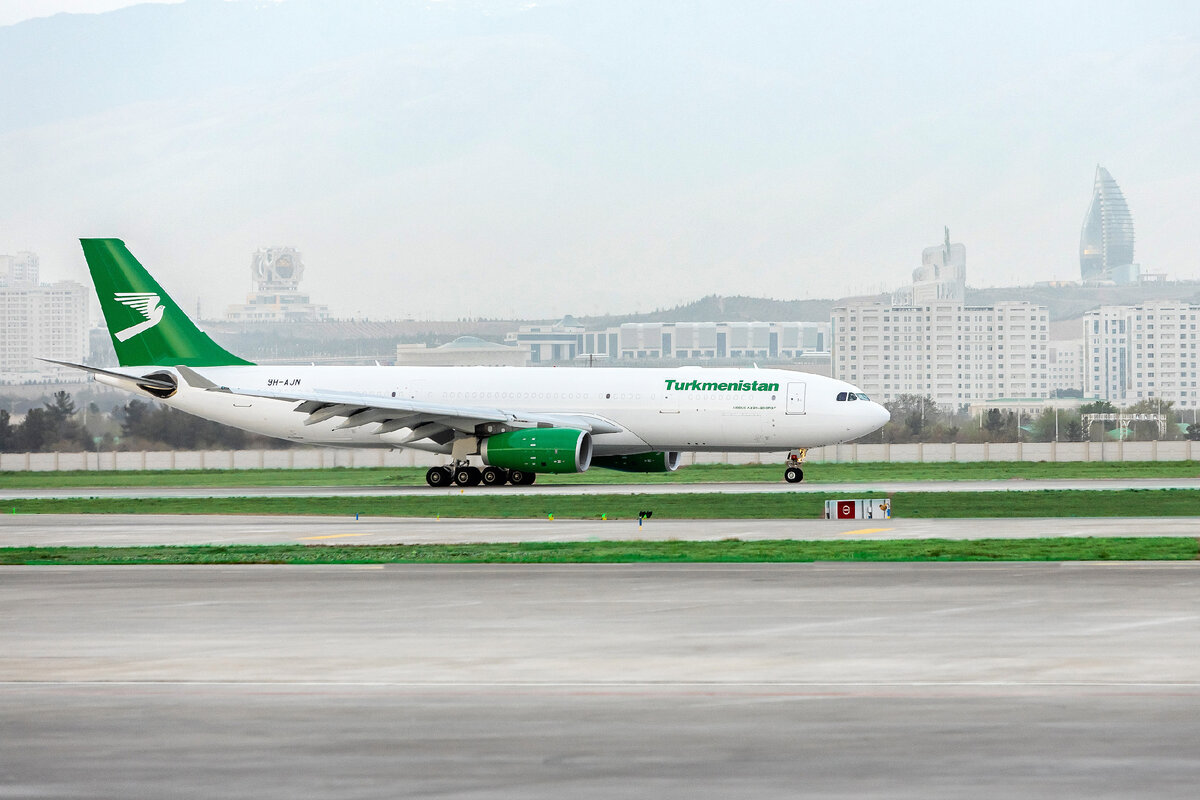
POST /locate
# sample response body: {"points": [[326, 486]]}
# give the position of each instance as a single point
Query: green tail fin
{"points": [[146, 326]]}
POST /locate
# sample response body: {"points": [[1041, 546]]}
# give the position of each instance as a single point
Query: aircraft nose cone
{"points": [[884, 415], [873, 417]]}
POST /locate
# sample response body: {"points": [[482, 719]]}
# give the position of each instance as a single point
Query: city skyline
{"points": [[503, 164]]}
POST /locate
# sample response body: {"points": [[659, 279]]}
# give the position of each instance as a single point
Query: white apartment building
{"points": [[20, 269], [41, 321], [1066, 365], [691, 341], [954, 353], [1134, 353]]}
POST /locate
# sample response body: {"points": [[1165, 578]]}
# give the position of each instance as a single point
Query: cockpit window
{"points": [[841, 397], [862, 396], [851, 396]]}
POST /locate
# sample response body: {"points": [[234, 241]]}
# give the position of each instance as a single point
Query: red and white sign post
{"points": [[879, 508]]}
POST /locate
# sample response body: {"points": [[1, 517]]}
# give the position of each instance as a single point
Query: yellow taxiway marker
{"points": [[865, 530], [332, 536]]}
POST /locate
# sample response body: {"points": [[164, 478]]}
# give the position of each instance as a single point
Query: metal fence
{"points": [[320, 457]]}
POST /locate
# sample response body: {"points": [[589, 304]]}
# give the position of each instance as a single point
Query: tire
{"points": [[521, 478], [467, 476], [438, 477], [793, 474], [493, 476]]}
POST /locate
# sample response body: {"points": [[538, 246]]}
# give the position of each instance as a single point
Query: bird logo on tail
{"points": [[145, 303]]}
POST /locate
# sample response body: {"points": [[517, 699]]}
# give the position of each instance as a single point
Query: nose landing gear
{"points": [[793, 473]]}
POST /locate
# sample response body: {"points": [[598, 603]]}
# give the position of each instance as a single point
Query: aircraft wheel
{"points": [[521, 478], [467, 476], [493, 476], [438, 476], [793, 474]]}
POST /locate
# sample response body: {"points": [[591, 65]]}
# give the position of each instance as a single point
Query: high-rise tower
{"points": [[1106, 244]]}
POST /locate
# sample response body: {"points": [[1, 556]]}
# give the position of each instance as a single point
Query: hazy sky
{"points": [[446, 159], [12, 11]]}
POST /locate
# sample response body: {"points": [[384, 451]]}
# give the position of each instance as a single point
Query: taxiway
{"points": [[106, 530], [863, 489]]}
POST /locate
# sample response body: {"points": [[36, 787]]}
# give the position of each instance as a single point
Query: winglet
{"points": [[147, 327]]}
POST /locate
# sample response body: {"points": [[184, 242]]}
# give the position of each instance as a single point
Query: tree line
{"points": [[58, 426], [917, 418]]}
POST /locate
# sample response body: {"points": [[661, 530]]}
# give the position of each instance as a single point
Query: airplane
{"points": [[515, 422]]}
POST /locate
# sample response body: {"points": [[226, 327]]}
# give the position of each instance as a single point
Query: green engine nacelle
{"points": [[640, 462], [539, 450]]}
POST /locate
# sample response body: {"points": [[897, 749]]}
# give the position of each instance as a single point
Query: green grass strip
{"points": [[729, 551], [701, 473], [774, 505]]}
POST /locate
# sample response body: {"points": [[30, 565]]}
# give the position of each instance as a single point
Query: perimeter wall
{"points": [[320, 457]]}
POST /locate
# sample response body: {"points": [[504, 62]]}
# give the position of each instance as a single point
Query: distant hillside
{"points": [[343, 340], [367, 340], [715, 308], [1070, 302]]}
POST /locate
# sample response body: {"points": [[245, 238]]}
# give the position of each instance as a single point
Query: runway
{"points": [[677, 681], [107, 530], [863, 489]]}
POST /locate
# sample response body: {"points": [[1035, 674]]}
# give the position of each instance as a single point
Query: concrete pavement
{"points": [[861, 489], [61, 530], [709, 681]]}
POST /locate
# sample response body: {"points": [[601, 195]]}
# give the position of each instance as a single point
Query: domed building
{"points": [[465, 351]]}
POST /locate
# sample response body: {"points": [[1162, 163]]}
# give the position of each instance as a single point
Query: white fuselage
{"points": [[684, 409]]}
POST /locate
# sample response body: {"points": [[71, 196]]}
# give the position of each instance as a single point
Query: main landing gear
{"points": [[793, 473], [464, 474]]}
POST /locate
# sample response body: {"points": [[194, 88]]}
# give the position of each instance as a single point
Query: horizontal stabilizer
{"points": [[155, 383]]}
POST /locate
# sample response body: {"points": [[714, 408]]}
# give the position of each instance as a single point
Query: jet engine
{"points": [[640, 462], [160, 384], [539, 450]]}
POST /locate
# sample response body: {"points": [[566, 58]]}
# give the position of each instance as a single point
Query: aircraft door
{"points": [[795, 397], [670, 402]]}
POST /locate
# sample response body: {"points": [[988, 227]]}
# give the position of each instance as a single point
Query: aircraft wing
{"points": [[423, 419]]}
